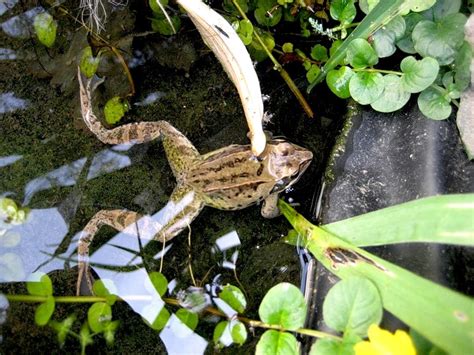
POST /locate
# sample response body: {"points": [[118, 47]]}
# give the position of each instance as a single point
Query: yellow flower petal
{"points": [[382, 342]]}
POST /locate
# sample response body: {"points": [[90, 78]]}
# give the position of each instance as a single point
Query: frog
{"points": [[229, 178]]}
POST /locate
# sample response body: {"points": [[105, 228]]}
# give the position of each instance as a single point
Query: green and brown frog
{"points": [[229, 178]]}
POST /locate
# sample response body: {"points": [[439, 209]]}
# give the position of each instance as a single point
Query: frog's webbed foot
{"points": [[270, 206]]}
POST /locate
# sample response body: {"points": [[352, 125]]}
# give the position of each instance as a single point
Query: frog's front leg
{"points": [[179, 150], [270, 206]]}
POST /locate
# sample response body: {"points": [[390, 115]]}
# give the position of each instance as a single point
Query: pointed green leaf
{"points": [[352, 305], [283, 305], [39, 284], [99, 314], [394, 96], [190, 319], [360, 54], [44, 311], [338, 81], [85, 336], [45, 27], [62, 328], [277, 343], [366, 87], [434, 104]]}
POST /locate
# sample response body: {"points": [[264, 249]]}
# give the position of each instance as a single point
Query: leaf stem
{"points": [[277, 66]]}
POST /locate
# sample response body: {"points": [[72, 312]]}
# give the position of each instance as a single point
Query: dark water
{"points": [[51, 164]]}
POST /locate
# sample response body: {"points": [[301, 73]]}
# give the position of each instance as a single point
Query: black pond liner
{"points": [[389, 159]]}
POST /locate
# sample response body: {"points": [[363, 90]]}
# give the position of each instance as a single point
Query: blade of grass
{"points": [[443, 316]]}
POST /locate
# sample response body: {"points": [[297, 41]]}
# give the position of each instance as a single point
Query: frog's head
{"points": [[287, 162]]}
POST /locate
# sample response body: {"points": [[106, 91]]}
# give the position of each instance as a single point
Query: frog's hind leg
{"points": [[180, 151], [117, 219]]}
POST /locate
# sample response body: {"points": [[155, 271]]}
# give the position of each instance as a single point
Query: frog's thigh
{"points": [[270, 206], [184, 206]]}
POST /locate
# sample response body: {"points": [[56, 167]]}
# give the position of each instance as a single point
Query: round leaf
{"points": [[352, 305], [44, 311], [189, 318], [366, 87], [115, 109], [433, 104], [268, 16], [343, 11], [331, 346], [239, 333], [283, 305], [160, 320], [159, 281], [320, 53], [39, 284], [338, 81], [384, 39], [99, 314], [234, 297], [245, 31], [219, 331], [105, 288], [440, 40], [312, 73], [89, 64], [405, 43], [287, 47], [360, 54], [277, 343], [394, 97], [418, 74], [45, 27]]}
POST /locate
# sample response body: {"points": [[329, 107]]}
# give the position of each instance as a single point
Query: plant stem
{"points": [[277, 66]]}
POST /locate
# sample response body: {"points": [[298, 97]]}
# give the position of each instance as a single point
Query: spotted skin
{"points": [[229, 178]]}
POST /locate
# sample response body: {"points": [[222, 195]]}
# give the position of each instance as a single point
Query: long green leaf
{"points": [[380, 15], [447, 219], [443, 316]]}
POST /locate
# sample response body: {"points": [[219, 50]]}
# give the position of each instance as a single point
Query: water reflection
{"points": [[6, 5], [10, 103], [7, 54], [9, 160], [179, 339], [21, 26]]}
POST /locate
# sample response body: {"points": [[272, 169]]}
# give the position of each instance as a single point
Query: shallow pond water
{"points": [[53, 166]]}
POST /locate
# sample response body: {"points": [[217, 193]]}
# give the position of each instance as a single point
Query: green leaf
{"points": [[228, 6], [105, 288], [239, 333], [366, 6], [154, 6], [219, 331], [283, 305], [405, 43], [44, 311], [442, 9], [420, 5], [39, 284], [421, 304], [287, 47], [462, 62], [163, 27], [99, 314], [338, 81], [62, 328], [360, 54], [244, 29], [190, 319], [256, 50], [277, 343], [160, 320], [418, 74], [434, 104], [45, 27], [89, 64], [312, 73], [384, 39], [394, 96], [85, 336], [327, 346], [343, 11], [268, 16], [159, 281], [366, 87], [319, 52], [109, 331], [440, 40], [352, 305], [234, 297], [115, 109]]}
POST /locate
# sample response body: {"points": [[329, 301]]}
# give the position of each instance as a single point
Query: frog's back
{"points": [[230, 178]]}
